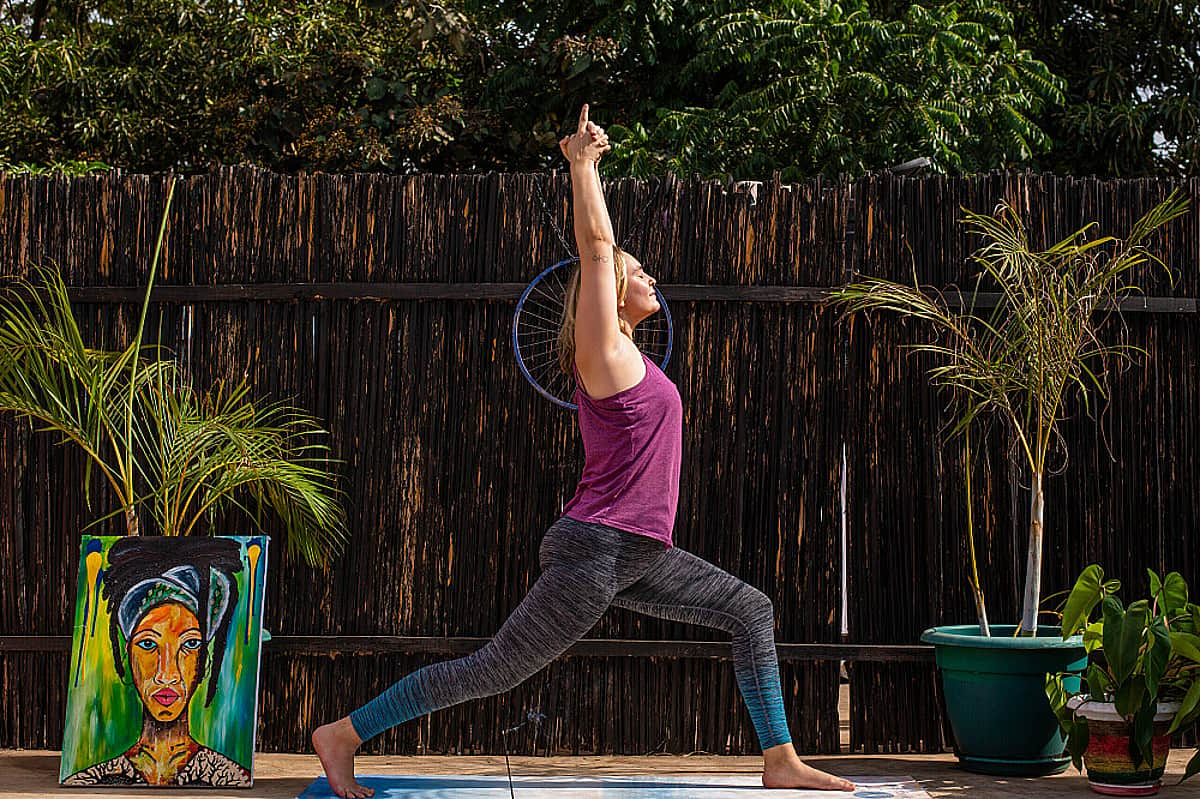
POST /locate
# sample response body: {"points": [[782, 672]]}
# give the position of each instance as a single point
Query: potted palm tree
{"points": [[1019, 364], [1142, 681], [158, 442]]}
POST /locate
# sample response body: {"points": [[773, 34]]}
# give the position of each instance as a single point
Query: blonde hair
{"points": [[566, 333]]}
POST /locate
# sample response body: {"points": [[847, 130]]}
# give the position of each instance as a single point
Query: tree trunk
{"points": [[976, 590], [981, 611], [39, 19], [1033, 569]]}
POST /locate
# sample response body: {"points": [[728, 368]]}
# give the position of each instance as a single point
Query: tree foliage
{"points": [[734, 87], [1132, 71], [189, 84], [812, 86]]}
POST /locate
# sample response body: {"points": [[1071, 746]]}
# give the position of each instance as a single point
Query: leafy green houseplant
{"points": [[156, 441], [1020, 363], [1142, 681]]}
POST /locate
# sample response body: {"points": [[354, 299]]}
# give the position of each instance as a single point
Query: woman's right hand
{"points": [[588, 143]]}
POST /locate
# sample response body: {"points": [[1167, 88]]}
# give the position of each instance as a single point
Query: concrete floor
{"points": [[35, 773]]}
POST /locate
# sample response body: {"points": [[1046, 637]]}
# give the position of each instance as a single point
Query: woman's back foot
{"points": [[335, 744]]}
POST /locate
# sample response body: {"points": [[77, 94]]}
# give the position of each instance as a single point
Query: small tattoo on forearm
{"points": [[600, 259]]}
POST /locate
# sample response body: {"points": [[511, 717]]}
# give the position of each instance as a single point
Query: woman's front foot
{"points": [[783, 768], [335, 744]]}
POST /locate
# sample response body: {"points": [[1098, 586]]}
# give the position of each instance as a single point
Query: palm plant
{"points": [[142, 425], [1039, 345]]}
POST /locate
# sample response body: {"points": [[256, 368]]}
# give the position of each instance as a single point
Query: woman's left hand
{"points": [[589, 142], [584, 146]]}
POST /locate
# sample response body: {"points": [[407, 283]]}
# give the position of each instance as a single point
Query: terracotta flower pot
{"points": [[1110, 769]]}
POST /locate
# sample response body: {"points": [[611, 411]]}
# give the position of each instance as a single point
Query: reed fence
{"points": [[383, 304]]}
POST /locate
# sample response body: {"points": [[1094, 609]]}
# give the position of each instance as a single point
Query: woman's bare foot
{"points": [[335, 744], [783, 768]]}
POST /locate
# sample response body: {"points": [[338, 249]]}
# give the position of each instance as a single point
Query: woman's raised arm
{"points": [[597, 333]]}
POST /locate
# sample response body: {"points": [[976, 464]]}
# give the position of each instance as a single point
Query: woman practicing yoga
{"points": [[612, 545]]}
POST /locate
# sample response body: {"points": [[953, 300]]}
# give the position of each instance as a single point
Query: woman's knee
{"points": [[481, 674], [496, 668], [757, 608]]}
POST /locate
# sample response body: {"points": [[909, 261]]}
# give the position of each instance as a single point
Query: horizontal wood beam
{"points": [[291, 292], [1134, 304], [384, 292], [590, 647]]}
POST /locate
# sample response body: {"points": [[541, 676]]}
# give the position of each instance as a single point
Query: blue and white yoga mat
{"points": [[698, 786]]}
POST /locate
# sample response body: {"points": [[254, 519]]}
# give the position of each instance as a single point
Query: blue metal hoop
{"points": [[662, 303]]}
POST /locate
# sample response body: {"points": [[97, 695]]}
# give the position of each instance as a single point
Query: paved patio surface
{"points": [[35, 773]]}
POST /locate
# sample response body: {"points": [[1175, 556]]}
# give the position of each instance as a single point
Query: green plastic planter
{"points": [[995, 690]]}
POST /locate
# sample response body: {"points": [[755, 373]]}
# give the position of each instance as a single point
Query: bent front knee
{"points": [[758, 608], [489, 677]]}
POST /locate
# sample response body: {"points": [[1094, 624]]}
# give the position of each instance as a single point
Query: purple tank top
{"points": [[632, 443]]}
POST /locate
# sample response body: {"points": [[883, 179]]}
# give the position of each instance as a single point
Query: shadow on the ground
{"points": [[948, 779], [36, 774]]}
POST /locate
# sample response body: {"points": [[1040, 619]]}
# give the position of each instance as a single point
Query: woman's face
{"points": [[640, 299], [164, 653]]}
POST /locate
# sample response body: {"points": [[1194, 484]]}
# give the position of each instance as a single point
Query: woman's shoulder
{"points": [[210, 767], [614, 375], [116, 771]]}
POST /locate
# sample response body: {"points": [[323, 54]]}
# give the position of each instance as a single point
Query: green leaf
{"points": [[1058, 697], [376, 88], [1185, 619], [1175, 592], [1187, 645], [1093, 636], [1140, 743], [1122, 639], [1077, 741], [1158, 655], [1129, 695], [579, 66], [1098, 683], [1084, 596], [1190, 702]]}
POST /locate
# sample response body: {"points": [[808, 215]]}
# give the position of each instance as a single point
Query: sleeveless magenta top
{"points": [[632, 443]]}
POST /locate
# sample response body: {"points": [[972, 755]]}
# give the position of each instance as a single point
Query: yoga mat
{"points": [[699, 786]]}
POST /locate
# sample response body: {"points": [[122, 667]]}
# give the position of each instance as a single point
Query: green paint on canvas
{"points": [[105, 713]]}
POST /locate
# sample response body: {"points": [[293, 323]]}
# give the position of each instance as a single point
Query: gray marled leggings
{"points": [[585, 569]]}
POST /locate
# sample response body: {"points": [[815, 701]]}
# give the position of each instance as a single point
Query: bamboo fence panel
{"points": [[452, 465]]}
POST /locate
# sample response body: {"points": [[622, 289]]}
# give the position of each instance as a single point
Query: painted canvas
{"points": [[164, 662]]}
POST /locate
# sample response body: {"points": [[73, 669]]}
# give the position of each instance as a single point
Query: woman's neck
{"points": [[163, 748], [174, 730]]}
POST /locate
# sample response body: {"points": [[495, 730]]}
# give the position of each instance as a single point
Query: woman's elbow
{"points": [[596, 242]]}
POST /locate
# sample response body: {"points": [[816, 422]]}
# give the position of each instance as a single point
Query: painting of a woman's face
{"points": [[164, 653]]}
